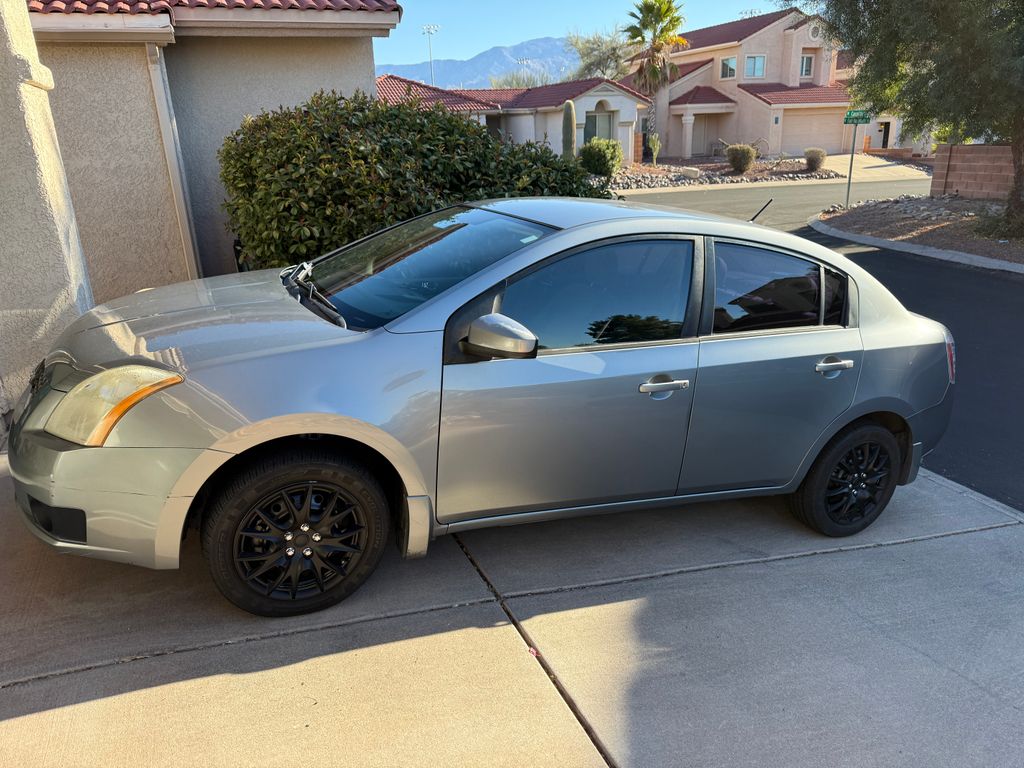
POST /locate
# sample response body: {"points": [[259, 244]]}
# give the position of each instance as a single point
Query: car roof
{"points": [[568, 212]]}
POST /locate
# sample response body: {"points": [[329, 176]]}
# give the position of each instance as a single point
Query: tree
{"points": [[655, 33], [521, 79], [959, 65], [602, 54]]}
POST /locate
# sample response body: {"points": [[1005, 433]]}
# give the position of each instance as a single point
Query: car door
{"points": [[778, 364], [575, 425]]}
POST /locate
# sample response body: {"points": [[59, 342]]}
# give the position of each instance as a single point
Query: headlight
{"points": [[91, 409]]}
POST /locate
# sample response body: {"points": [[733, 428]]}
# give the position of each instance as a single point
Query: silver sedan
{"points": [[488, 364]]}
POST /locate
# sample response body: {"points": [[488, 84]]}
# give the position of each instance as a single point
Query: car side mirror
{"points": [[496, 335]]}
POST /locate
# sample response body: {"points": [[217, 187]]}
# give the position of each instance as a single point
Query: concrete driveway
{"points": [[713, 634]]}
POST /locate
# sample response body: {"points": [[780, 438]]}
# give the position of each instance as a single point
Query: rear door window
{"points": [[759, 289]]}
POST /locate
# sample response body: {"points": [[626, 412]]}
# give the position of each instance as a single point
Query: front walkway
{"points": [[714, 634]]}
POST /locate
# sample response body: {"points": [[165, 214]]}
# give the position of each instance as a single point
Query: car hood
{"points": [[190, 325]]}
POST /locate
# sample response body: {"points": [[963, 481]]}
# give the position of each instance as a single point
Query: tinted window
{"points": [[376, 280], [835, 298], [757, 289], [626, 292]]}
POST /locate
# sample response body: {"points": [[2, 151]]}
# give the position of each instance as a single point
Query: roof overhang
{"points": [[812, 105], [254, 22], [703, 109], [102, 28]]}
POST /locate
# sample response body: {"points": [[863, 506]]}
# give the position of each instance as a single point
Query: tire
{"points": [[261, 557], [851, 481]]}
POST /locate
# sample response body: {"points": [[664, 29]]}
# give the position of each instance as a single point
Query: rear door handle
{"points": [[653, 387], [832, 363]]}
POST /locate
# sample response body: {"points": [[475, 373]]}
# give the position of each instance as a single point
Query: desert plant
{"points": [[741, 157], [655, 34], [654, 142], [814, 157], [302, 181], [569, 129], [601, 157]]}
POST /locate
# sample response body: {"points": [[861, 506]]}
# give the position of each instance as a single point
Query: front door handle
{"points": [[832, 363], [652, 387]]}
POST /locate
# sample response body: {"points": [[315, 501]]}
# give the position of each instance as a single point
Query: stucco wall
{"points": [[109, 134], [215, 82], [44, 282]]}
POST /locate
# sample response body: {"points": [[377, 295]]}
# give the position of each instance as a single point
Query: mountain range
{"points": [[548, 55]]}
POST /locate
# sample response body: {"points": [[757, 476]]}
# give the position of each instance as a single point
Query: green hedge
{"points": [[305, 180], [602, 157], [741, 157]]}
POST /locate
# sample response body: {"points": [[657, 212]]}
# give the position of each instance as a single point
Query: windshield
{"points": [[378, 279]]}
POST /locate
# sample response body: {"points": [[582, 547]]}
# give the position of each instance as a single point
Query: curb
{"points": [[728, 185], [956, 257]]}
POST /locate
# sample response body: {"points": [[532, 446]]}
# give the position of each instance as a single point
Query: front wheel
{"points": [[851, 482], [295, 532]]}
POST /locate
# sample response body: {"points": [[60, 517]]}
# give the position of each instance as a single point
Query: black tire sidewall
{"points": [[261, 479], [812, 492]]}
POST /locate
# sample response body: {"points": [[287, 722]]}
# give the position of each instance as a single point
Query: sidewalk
{"points": [[713, 634]]}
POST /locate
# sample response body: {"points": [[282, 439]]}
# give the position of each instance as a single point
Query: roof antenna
{"points": [[770, 200]]}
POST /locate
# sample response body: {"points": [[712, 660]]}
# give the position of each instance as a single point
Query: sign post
{"points": [[854, 117]]}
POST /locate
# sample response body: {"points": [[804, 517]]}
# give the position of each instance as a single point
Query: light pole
{"points": [[430, 30]]}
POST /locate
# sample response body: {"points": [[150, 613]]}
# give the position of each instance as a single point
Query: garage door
{"points": [[802, 128]]}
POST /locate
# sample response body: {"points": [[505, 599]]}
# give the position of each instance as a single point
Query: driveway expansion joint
{"points": [[535, 652]]}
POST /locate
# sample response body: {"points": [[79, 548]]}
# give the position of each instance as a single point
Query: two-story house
{"points": [[768, 80]]}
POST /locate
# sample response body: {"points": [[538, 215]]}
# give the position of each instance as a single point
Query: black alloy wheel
{"points": [[298, 540], [851, 482], [295, 532]]}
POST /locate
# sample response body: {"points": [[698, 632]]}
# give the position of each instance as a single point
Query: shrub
{"points": [[814, 157], [741, 157], [602, 157], [302, 181], [654, 142]]}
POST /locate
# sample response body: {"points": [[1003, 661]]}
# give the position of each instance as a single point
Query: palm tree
{"points": [[655, 33]]}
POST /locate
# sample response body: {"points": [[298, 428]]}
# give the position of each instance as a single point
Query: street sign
{"points": [[857, 117]]}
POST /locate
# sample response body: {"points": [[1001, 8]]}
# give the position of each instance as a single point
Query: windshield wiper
{"points": [[298, 284]]}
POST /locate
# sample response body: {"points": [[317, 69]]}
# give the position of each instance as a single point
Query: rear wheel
{"points": [[851, 482], [295, 532]]}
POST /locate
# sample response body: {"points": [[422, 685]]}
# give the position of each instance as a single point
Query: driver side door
{"points": [[577, 425]]}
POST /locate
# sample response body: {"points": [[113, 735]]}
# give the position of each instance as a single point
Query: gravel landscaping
{"points": [[648, 176], [949, 222]]}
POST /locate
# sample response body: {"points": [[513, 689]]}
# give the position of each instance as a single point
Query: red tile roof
{"points": [[161, 6], [703, 94], [734, 31], [394, 90], [503, 97], [777, 93], [542, 96]]}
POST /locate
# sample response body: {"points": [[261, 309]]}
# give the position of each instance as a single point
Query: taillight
{"points": [[950, 356]]}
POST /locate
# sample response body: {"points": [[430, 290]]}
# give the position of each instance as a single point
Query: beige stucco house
{"points": [[767, 80], [145, 93], [604, 109]]}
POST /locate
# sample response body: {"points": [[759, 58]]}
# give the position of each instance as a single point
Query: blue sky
{"points": [[471, 26]]}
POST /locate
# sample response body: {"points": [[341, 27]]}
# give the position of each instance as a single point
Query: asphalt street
{"points": [[983, 309]]}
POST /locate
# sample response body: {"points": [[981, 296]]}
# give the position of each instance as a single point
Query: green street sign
{"points": [[857, 117]]}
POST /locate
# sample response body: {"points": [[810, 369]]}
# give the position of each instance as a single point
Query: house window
{"points": [[599, 126], [728, 67], [754, 66], [806, 66]]}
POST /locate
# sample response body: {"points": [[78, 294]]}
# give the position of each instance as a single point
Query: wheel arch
{"points": [[889, 413], [409, 496]]}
